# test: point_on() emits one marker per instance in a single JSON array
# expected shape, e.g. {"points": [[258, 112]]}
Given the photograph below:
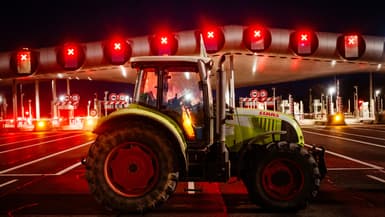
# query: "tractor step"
{"points": [[191, 187], [193, 190]]}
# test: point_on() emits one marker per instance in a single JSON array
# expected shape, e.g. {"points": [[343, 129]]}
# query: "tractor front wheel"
{"points": [[286, 177]]}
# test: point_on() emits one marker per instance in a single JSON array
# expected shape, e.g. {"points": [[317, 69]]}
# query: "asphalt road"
{"points": [[41, 175]]}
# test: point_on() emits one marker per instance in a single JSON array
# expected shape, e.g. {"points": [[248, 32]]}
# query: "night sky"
{"points": [[50, 23], [46, 23]]}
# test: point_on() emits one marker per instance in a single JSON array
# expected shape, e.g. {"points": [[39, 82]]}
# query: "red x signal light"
{"points": [[351, 46], [213, 39], [117, 51], [71, 56], [163, 44], [303, 43], [257, 38], [24, 61]]}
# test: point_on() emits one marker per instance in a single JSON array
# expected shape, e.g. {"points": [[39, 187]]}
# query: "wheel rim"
{"points": [[132, 169], [282, 179]]}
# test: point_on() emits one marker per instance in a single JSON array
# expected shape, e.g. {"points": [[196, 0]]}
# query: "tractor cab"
{"points": [[178, 88]]}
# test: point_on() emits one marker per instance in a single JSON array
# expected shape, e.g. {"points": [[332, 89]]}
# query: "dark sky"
{"points": [[46, 23], [39, 24]]}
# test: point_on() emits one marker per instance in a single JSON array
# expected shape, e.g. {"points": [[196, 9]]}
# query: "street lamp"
{"points": [[22, 105], [30, 109], [332, 90], [377, 93], [356, 112]]}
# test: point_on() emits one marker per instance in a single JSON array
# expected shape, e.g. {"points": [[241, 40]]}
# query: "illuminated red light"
{"points": [[351, 40], [23, 56], [257, 34], [256, 38], [117, 51], [304, 37], [213, 39], [70, 59], [303, 43], [70, 51], [24, 62], [210, 35], [163, 40], [117, 46], [351, 46], [71, 56], [163, 44]]}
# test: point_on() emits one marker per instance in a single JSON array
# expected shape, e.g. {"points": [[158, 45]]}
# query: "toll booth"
{"points": [[113, 102], [66, 106], [258, 99], [319, 109], [364, 110]]}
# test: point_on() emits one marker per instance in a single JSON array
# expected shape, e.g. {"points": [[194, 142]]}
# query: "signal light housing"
{"points": [[213, 39], [303, 43], [117, 51], [256, 38], [163, 44], [351, 46], [70, 56], [24, 62]]}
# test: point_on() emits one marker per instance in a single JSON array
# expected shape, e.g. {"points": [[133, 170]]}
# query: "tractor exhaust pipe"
{"points": [[223, 162], [221, 104]]}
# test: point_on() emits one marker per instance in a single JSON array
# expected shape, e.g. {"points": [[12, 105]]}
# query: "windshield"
{"points": [[175, 91], [180, 85]]}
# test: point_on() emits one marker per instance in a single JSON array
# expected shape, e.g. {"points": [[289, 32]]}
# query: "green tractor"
{"points": [[176, 131]]}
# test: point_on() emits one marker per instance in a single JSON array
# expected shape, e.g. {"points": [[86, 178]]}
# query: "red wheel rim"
{"points": [[282, 179], [132, 169]]}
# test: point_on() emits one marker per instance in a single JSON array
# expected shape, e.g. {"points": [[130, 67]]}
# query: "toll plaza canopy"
{"points": [[261, 55]]}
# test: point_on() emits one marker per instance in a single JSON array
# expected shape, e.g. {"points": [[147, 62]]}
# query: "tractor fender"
{"points": [[122, 118]]}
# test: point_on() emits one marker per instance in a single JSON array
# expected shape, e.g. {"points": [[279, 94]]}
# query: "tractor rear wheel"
{"points": [[131, 169], [284, 178]]}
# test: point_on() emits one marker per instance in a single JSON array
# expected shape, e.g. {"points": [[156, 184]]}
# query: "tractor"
{"points": [[182, 127]]}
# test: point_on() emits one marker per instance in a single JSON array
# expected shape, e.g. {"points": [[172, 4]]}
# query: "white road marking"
{"points": [[61, 172], [40, 143], [27, 174], [28, 140], [352, 134], [367, 128], [376, 178], [349, 168], [191, 187], [45, 157], [352, 159], [346, 139], [9, 182]]}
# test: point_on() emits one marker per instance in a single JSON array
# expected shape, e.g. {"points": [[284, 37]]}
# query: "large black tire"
{"points": [[285, 177], [131, 170]]}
